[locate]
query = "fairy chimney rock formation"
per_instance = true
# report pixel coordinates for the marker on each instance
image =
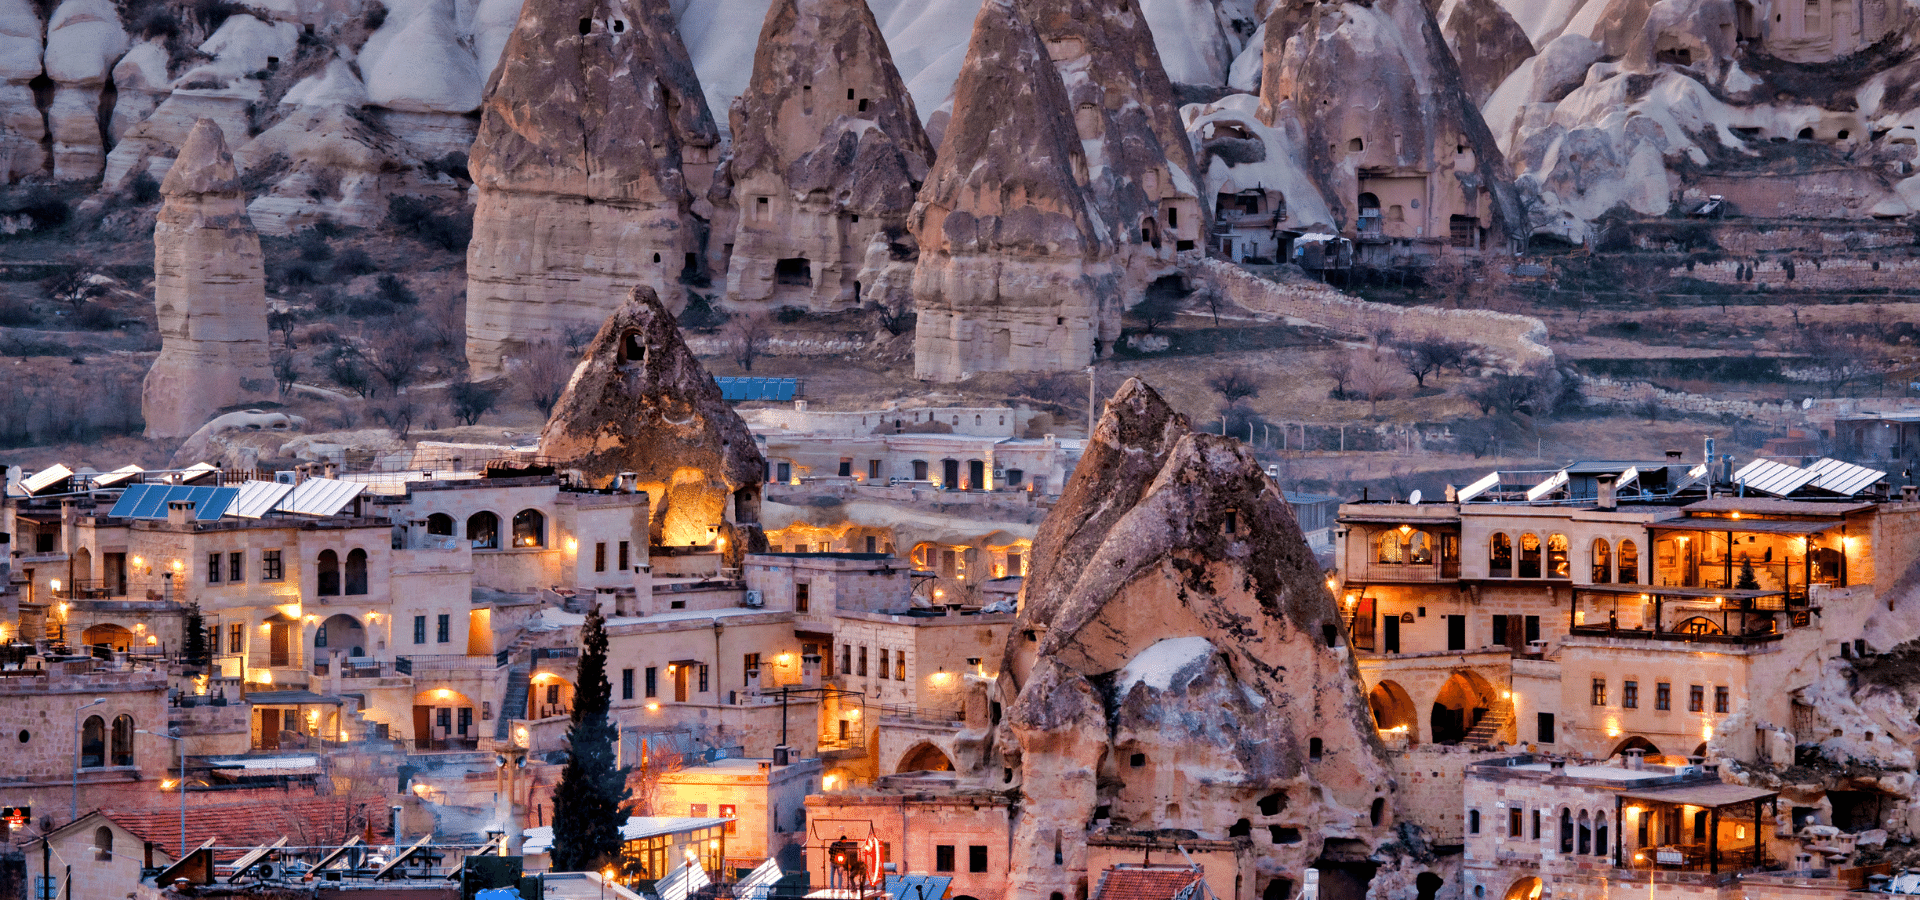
(1143, 175)
(641, 403)
(828, 152)
(1015, 271)
(1184, 669)
(584, 133)
(210, 292)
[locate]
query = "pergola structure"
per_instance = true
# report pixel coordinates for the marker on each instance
(1658, 815)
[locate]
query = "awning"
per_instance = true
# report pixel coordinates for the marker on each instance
(1687, 592)
(289, 698)
(1747, 526)
(1709, 795)
(271, 765)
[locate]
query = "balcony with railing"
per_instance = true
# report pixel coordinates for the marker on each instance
(1696, 615)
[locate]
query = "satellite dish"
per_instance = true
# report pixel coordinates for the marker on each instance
(1807, 403)
(1414, 498)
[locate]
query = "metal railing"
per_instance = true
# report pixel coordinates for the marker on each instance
(927, 714)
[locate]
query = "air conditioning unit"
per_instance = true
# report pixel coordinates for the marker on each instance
(756, 599)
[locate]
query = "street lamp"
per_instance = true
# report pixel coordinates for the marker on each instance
(181, 786)
(74, 813)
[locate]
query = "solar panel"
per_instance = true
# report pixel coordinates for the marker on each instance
(153, 504)
(196, 472)
(1548, 486)
(109, 479)
(1769, 477)
(1843, 478)
(257, 498)
(321, 497)
(759, 884)
(1479, 487)
(130, 499)
(735, 388)
(45, 478)
(216, 503)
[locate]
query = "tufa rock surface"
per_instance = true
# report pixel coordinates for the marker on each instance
(828, 152)
(578, 166)
(210, 292)
(1185, 671)
(641, 403)
(1015, 270)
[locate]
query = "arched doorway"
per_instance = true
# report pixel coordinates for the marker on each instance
(1635, 742)
(1393, 711)
(925, 758)
(340, 632)
(1525, 889)
(443, 719)
(109, 636)
(551, 696)
(1463, 701)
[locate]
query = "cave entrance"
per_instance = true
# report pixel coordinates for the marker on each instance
(1428, 885)
(1462, 702)
(1855, 811)
(1393, 711)
(1342, 879)
(793, 272)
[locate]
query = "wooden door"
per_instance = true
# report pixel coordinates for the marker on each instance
(680, 683)
(278, 654)
(423, 727)
(269, 729)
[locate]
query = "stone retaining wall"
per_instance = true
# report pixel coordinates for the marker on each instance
(1607, 392)
(1837, 274)
(1515, 341)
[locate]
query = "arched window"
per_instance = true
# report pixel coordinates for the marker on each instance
(1557, 565)
(1420, 549)
(1529, 556)
(483, 531)
(1629, 563)
(329, 573)
(1602, 561)
(93, 743)
(529, 529)
(102, 844)
(1389, 549)
(440, 523)
(1500, 556)
(356, 572)
(1566, 831)
(123, 740)
(1600, 834)
(320, 636)
(1585, 834)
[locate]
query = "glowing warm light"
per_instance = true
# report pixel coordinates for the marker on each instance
(266, 676)
(139, 562)
(785, 658)
(1740, 832)
(55, 584)
(312, 619)
(443, 694)
(829, 781)
(520, 735)
(373, 617)
(1720, 601)
(1706, 733)
(179, 566)
(139, 626)
(1613, 731)
(1330, 585)
(940, 678)
(1506, 695)
(722, 542)
(607, 873)
(1736, 514)
(152, 640)
(1406, 530)
(937, 594)
(672, 669)
(715, 844)
(653, 706)
(290, 610)
(166, 785)
(572, 545)
(63, 608)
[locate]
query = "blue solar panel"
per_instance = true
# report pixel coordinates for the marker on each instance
(736, 389)
(154, 504)
(129, 499)
(215, 506)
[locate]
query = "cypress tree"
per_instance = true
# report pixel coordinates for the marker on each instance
(589, 803)
(195, 650)
(1747, 582)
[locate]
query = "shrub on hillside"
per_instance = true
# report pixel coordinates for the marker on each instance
(422, 221)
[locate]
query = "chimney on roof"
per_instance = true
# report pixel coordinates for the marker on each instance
(179, 512)
(1636, 758)
(1910, 492)
(1673, 456)
(149, 851)
(1607, 488)
(332, 469)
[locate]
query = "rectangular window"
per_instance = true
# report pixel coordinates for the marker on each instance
(623, 557)
(1516, 820)
(1499, 632)
(419, 629)
(466, 720)
(1721, 699)
(1473, 821)
(703, 679)
(846, 467)
(863, 662)
(1599, 692)
(873, 470)
(1456, 632)
(1696, 698)
(1533, 628)
(237, 567)
(445, 717)
(750, 667)
(215, 566)
(270, 568)
(1662, 696)
(846, 659)
(899, 665)
(943, 858)
(443, 629)
(653, 682)
(977, 858)
(802, 596)
(1536, 824)
(600, 556)
(1630, 695)
(236, 639)
(884, 659)
(626, 684)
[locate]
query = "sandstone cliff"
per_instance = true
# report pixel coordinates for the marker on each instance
(828, 152)
(210, 292)
(641, 403)
(1177, 664)
(587, 124)
(1016, 268)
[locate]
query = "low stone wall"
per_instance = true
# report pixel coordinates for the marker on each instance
(1747, 236)
(1516, 341)
(1826, 273)
(1607, 392)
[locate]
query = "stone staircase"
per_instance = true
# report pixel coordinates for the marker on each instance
(1491, 726)
(519, 675)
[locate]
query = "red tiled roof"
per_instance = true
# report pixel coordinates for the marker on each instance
(1145, 882)
(306, 821)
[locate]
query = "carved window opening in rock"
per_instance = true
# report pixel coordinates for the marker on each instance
(1396, 214)
(1137, 760)
(950, 474)
(1059, 854)
(1369, 213)
(1473, 821)
(1273, 804)
(1463, 701)
(586, 26)
(1629, 563)
(1806, 134)
(1815, 21)
(329, 573)
(1356, 145)
(1583, 831)
(619, 26)
(1566, 830)
(1278, 889)
(633, 349)
(440, 524)
(1600, 834)
(1087, 119)
(1150, 232)
(863, 104)
(1315, 748)
(793, 272)
(656, 259)
(762, 209)
(1602, 561)
(1529, 556)
(1676, 56)
(1378, 811)
(483, 531)
(1283, 834)
(1557, 564)
(1330, 633)
(976, 475)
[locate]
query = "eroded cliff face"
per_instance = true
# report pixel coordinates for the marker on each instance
(641, 403)
(578, 167)
(828, 153)
(1177, 665)
(1376, 90)
(209, 290)
(1016, 271)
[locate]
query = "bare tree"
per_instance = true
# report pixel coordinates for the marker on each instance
(445, 318)
(545, 369)
(1340, 367)
(1427, 355)
(286, 370)
(283, 322)
(397, 413)
(348, 369)
(643, 781)
(747, 338)
(897, 314)
(1374, 379)
(469, 401)
(1234, 385)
